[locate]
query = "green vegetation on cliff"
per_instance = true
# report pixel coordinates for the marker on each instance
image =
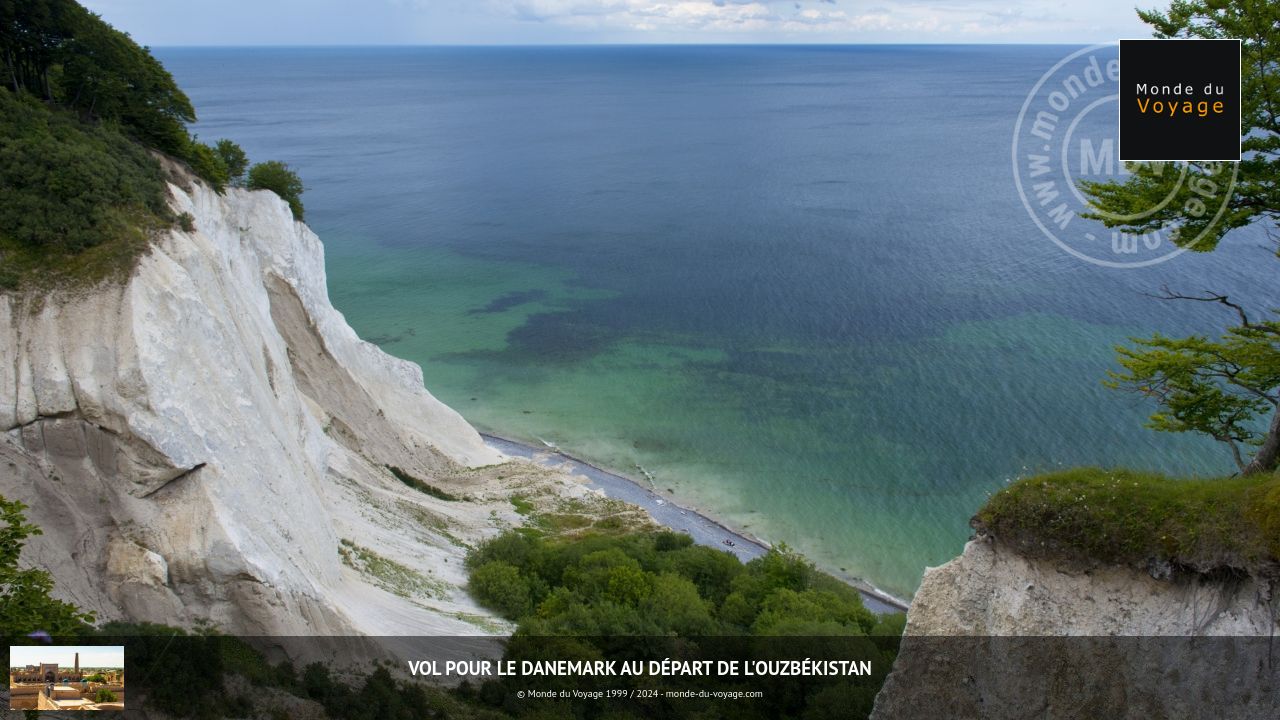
(275, 176)
(1087, 516)
(84, 111)
(78, 199)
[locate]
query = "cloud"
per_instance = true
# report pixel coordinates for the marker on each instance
(919, 18)
(337, 22)
(686, 15)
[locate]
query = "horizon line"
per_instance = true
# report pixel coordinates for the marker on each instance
(301, 46)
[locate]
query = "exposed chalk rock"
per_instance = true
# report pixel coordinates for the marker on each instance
(197, 441)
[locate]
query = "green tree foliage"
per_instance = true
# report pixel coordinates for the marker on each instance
(105, 75)
(234, 159)
(276, 176)
(67, 185)
(208, 164)
(502, 587)
(1226, 389)
(1220, 388)
(32, 34)
(70, 180)
(655, 595)
(104, 696)
(658, 583)
(81, 107)
(25, 602)
(62, 52)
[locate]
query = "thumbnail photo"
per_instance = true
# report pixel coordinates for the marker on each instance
(66, 677)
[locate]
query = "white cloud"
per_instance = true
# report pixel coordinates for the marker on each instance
(918, 18)
(337, 22)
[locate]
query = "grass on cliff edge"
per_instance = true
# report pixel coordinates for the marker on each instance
(1090, 516)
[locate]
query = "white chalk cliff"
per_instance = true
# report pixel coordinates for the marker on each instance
(209, 441)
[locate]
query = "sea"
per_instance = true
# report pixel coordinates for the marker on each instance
(796, 286)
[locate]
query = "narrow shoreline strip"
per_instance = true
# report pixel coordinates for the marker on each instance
(704, 529)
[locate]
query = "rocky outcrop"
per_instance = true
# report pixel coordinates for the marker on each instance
(208, 441)
(994, 634)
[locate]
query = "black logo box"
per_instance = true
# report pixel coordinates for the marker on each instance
(1186, 68)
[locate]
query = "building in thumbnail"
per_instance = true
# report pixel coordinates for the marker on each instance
(45, 673)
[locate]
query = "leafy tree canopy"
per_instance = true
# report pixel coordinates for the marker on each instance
(276, 176)
(233, 158)
(58, 50)
(655, 595)
(1221, 388)
(81, 108)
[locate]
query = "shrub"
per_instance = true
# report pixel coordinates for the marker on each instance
(206, 163)
(421, 485)
(233, 159)
(499, 586)
(69, 185)
(276, 176)
(104, 696)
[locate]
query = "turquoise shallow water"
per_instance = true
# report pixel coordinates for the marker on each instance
(789, 282)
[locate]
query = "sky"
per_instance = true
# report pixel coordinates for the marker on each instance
(163, 23)
(92, 656)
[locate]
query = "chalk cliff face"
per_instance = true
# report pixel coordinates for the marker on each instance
(994, 634)
(209, 441)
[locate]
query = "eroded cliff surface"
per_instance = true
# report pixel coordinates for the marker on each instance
(210, 441)
(994, 634)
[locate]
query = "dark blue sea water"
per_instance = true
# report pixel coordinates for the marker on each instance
(795, 284)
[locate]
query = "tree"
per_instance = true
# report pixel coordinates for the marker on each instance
(73, 59)
(233, 158)
(500, 586)
(207, 163)
(675, 605)
(1222, 388)
(104, 696)
(32, 32)
(25, 603)
(276, 176)
(1256, 194)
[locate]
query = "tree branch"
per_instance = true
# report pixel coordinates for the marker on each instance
(1209, 296)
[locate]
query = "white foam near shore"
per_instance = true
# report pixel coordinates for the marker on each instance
(704, 529)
